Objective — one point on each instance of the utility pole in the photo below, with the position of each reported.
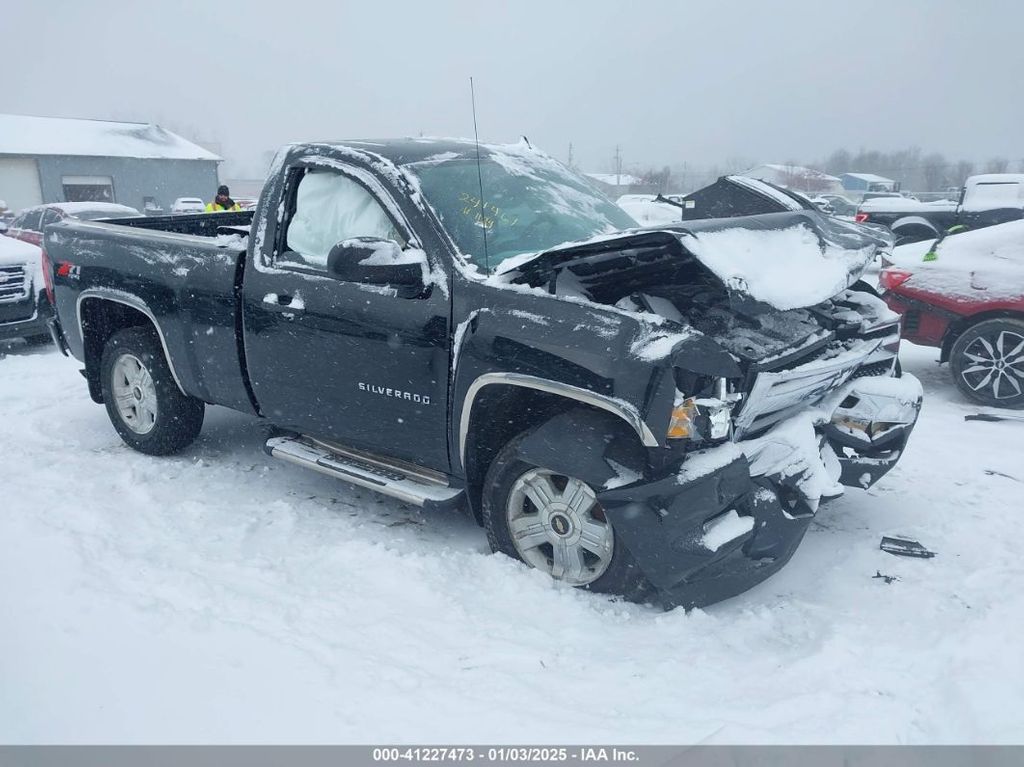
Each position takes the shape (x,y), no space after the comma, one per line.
(618,165)
(570,154)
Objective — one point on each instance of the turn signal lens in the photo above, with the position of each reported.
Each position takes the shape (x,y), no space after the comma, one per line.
(860,218)
(683,425)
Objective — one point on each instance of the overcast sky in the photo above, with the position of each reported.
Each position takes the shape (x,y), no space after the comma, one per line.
(670,82)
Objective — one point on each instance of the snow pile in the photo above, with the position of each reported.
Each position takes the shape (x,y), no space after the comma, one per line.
(220,595)
(787,268)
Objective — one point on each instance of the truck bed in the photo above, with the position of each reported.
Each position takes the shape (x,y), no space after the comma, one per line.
(176,269)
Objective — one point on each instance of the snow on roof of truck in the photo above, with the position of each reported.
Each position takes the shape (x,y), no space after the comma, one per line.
(996,178)
(29,135)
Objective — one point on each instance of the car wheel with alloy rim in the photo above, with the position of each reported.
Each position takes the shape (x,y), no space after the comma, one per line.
(988,362)
(555,523)
(143,400)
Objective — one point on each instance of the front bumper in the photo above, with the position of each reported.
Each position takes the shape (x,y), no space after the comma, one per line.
(732,515)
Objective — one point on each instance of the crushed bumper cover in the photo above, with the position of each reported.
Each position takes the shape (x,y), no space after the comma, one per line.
(732,515)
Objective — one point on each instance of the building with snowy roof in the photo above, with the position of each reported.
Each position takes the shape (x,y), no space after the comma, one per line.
(796,177)
(57,159)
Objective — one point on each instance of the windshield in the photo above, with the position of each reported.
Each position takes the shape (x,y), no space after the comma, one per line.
(531,203)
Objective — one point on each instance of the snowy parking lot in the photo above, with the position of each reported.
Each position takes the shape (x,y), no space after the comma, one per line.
(221,596)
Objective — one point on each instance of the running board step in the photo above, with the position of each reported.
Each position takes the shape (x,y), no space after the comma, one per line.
(371,474)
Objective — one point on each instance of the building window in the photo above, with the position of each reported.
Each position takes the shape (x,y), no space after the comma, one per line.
(88,188)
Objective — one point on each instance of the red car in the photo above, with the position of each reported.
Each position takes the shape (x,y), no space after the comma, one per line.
(965,296)
(30,223)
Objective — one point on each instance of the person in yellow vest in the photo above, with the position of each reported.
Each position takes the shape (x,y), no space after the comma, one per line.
(222,201)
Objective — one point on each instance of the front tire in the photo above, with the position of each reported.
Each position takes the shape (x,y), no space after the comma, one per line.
(144,403)
(987,363)
(554,523)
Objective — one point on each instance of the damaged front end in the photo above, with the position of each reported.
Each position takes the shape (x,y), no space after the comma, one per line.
(777,406)
(733,514)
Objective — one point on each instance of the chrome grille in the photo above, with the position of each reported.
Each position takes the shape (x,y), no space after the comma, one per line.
(13,283)
(778,394)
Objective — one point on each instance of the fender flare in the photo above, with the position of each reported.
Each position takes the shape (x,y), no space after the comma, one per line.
(121,297)
(914,221)
(616,407)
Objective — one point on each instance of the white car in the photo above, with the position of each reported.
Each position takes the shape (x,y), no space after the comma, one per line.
(188,205)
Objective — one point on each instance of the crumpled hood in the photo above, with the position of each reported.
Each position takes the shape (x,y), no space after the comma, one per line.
(787,260)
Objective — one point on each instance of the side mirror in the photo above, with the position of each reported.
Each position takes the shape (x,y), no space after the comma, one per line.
(376,261)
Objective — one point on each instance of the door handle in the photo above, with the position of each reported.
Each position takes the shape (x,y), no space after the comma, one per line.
(282,303)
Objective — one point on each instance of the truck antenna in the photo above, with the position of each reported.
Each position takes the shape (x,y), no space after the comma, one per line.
(479,176)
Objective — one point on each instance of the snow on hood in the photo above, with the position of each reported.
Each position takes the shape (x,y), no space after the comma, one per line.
(787,260)
(15,252)
(990,260)
(1003,243)
(807,259)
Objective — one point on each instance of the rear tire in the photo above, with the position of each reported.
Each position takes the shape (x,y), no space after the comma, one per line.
(143,401)
(987,362)
(577,530)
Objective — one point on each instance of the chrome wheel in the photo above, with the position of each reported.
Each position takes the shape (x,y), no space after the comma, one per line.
(995,366)
(558,526)
(134,393)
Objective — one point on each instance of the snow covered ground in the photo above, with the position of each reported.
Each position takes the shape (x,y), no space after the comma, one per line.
(221,596)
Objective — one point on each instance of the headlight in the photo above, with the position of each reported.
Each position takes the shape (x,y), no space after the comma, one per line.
(703,417)
(682,424)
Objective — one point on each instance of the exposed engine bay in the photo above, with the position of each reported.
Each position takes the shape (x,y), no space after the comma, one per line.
(670,284)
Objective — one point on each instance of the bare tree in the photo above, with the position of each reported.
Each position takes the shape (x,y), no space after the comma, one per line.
(840,161)
(934,172)
(997,165)
(962,171)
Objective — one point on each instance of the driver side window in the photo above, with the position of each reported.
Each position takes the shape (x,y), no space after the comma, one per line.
(329,208)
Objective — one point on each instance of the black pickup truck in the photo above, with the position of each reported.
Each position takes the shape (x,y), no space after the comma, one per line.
(985,200)
(654,413)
